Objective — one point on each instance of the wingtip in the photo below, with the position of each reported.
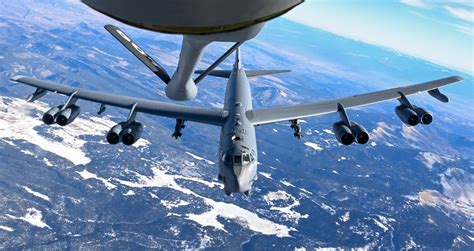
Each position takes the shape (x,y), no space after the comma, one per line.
(109,26)
(458,78)
(16,78)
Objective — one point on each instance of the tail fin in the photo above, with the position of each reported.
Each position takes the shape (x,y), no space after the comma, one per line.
(250,74)
(238,62)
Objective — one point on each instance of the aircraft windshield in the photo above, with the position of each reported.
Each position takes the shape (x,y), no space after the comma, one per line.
(246,158)
(242,159)
(238,159)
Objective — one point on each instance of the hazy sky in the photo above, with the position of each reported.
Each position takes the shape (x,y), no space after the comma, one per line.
(439,31)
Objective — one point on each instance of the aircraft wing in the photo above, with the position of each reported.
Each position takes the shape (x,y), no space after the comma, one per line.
(202,115)
(277,114)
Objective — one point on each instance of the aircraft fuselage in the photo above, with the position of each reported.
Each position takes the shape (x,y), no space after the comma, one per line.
(238,145)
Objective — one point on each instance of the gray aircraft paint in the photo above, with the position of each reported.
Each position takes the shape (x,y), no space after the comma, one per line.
(181,86)
(238,147)
(197,17)
(238,118)
(201,23)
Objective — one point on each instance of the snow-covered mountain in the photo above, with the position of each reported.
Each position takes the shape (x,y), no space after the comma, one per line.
(64,187)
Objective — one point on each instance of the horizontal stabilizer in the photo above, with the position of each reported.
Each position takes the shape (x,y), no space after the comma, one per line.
(216,73)
(250,74)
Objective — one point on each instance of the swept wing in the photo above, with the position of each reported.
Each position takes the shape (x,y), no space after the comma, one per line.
(196,114)
(285,113)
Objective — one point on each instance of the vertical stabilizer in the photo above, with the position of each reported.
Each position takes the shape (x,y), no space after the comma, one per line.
(237,63)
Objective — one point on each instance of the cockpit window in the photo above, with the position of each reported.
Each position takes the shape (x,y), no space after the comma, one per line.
(222,154)
(246,158)
(238,159)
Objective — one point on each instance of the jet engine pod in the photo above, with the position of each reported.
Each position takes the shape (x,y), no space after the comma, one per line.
(343,133)
(113,136)
(425,117)
(131,133)
(50,116)
(407,115)
(68,115)
(360,133)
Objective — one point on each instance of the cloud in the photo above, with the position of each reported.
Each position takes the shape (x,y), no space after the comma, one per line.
(415,3)
(460,9)
(465,29)
(467,3)
(418,14)
(461,13)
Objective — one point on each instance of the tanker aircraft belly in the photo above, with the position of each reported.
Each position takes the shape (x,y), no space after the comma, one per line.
(201,22)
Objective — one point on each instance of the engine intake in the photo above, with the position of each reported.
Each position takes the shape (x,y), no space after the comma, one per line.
(343,133)
(407,115)
(360,133)
(49,117)
(68,115)
(131,133)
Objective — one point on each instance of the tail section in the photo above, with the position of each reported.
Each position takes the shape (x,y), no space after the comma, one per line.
(238,62)
(259,73)
(238,65)
(249,73)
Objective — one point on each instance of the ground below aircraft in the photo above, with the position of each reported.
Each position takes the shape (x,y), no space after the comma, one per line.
(237,119)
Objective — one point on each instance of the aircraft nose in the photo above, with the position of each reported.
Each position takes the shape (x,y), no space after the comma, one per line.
(246,177)
(239,178)
(244,185)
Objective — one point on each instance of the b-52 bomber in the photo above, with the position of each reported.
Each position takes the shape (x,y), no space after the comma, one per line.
(238,153)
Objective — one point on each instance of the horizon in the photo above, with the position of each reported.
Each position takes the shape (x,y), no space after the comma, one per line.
(449,67)
(441,33)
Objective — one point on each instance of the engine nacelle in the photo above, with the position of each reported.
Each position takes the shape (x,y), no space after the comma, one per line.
(49,117)
(68,115)
(131,133)
(360,133)
(343,133)
(425,117)
(407,115)
(113,136)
